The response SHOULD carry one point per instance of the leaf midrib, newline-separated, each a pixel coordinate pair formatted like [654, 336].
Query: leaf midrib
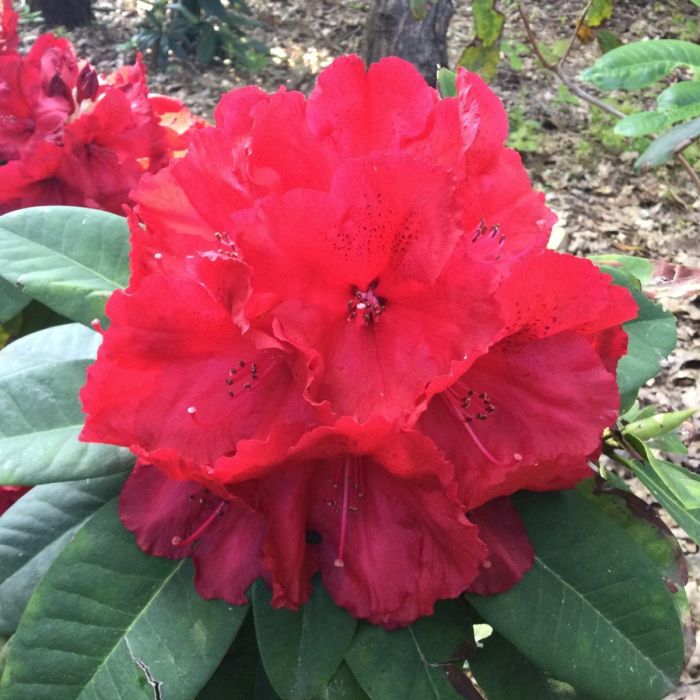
[122, 638]
[55, 253]
[628, 642]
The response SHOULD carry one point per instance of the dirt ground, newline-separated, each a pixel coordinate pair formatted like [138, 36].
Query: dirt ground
[602, 203]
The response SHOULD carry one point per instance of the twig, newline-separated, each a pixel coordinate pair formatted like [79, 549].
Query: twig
[580, 92]
[689, 169]
[581, 19]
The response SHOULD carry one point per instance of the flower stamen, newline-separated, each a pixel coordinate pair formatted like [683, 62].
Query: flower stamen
[365, 307]
[343, 514]
[179, 542]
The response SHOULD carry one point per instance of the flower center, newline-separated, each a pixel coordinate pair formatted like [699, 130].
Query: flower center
[488, 241]
[345, 491]
[468, 407]
[366, 307]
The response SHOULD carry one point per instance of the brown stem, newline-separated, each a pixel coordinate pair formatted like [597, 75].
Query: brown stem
[575, 34]
[578, 90]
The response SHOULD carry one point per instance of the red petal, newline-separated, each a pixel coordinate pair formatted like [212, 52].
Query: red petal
[356, 111]
[552, 397]
[510, 552]
[174, 371]
[228, 551]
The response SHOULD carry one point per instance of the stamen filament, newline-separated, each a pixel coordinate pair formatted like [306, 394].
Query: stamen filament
[481, 447]
[344, 515]
[179, 542]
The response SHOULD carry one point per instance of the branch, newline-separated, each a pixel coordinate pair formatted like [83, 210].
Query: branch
[575, 34]
[580, 92]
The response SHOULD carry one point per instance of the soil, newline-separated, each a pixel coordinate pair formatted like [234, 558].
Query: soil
[603, 204]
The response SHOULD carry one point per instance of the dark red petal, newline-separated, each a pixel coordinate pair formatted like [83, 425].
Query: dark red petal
[405, 542]
[228, 550]
[9, 495]
[510, 552]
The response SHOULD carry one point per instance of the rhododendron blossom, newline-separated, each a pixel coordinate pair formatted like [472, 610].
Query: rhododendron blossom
[71, 136]
[344, 345]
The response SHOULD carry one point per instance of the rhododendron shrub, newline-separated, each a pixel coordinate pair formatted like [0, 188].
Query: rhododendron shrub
[69, 135]
[343, 355]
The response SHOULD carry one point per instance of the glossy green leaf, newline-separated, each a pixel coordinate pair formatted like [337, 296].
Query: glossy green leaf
[488, 21]
[641, 123]
[70, 259]
[593, 595]
[108, 621]
[34, 531]
[643, 525]
[235, 677]
[446, 80]
[506, 674]
[669, 143]
[683, 484]
[652, 336]
[413, 663]
[301, 650]
[687, 518]
[343, 686]
[40, 414]
[641, 63]
[12, 301]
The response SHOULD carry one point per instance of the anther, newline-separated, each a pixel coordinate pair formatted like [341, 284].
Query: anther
[97, 326]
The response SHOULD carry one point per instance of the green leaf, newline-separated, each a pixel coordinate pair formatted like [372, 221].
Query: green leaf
[687, 518]
[343, 686]
[679, 96]
[68, 258]
[641, 63]
[641, 268]
[488, 21]
[652, 336]
[12, 301]
[643, 525]
[40, 414]
[108, 621]
[607, 41]
[658, 424]
[669, 143]
[419, 9]
[683, 484]
[235, 678]
[481, 59]
[641, 123]
[446, 80]
[413, 663]
[592, 595]
[506, 674]
[599, 11]
[34, 532]
[301, 650]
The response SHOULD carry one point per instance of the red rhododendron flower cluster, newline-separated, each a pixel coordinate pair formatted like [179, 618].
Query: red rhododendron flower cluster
[71, 136]
[344, 344]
